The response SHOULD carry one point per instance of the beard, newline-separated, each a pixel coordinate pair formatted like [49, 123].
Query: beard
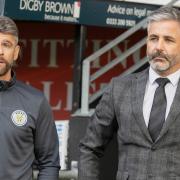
[6, 67]
[159, 61]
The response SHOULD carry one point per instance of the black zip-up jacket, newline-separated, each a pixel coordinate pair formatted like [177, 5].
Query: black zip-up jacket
[27, 132]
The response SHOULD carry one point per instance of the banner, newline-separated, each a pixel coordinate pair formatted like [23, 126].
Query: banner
[113, 13]
[43, 10]
[87, 12]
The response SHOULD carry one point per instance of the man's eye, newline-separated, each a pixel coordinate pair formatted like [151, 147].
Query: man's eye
[169, 40]
[153, 39]
[6, 45]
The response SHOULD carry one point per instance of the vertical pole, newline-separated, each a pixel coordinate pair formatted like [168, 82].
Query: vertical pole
[80, 44]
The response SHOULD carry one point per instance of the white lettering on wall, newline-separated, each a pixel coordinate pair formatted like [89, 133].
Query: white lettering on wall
[53, 50]
[69, 98]
[47, 92]
[56, 46]
[34, 52]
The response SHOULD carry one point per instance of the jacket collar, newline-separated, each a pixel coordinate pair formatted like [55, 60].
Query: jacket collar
[4, 85]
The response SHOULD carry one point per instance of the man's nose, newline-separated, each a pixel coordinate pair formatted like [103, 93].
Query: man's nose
[160, 45]
[1, 50]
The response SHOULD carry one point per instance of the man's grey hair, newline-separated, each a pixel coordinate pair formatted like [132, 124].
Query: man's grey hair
[164, 13]
[8, 26]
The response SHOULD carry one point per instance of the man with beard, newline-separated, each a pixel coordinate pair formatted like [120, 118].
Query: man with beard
[143, 109]
[27, 128]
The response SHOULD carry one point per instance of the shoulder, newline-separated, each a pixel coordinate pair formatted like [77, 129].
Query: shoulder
[123, 83]
[130, 77]
[28, 91]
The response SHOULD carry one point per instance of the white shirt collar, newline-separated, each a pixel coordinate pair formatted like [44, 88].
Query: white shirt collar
[174, 78]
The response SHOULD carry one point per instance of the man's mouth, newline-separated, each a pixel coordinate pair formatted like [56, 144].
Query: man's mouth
[159, 59]
[2, 60]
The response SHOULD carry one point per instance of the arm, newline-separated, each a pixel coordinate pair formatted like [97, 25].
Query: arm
[99, 133]
[46, 144]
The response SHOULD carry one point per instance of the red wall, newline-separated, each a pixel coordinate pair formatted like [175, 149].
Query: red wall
[48, 56]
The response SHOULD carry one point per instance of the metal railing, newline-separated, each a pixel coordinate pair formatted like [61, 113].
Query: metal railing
[87, 78]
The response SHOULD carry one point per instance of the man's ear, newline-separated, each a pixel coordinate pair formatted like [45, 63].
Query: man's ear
[16, 52]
